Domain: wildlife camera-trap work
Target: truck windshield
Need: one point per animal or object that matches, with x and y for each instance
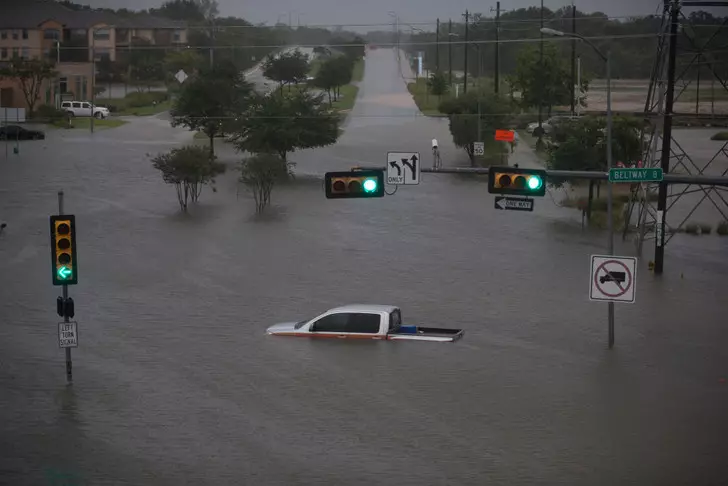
(299, 325)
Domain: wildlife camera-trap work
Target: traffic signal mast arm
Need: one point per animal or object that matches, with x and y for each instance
(583, 175)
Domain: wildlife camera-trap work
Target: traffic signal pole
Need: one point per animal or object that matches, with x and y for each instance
(69, 362)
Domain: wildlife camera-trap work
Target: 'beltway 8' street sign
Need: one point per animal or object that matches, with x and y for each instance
(651, 174)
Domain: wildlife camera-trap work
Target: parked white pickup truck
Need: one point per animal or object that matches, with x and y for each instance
(383, 322)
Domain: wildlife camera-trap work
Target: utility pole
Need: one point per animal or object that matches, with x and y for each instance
(449, 51)
(437, 47)
(666, 137)
(466, 52)
(573, 61)
(497, 47)
(540, 85)
(93, 82)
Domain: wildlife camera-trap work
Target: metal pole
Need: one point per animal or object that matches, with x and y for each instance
(477, 93)
(449, 51)
(465, 80)
(666, 141)
(573, 60)
(93, 77)
(540, 88)
(497, 48)
(578, 80)
(69, 363)
(437, 47)
(610, 216)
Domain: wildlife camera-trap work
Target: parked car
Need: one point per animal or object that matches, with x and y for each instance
(549, 125)
(16, 132)
(84, 108)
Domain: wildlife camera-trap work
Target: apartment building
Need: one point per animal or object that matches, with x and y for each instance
(72, 40)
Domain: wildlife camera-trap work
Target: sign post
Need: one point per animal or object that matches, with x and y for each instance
(613, 279)
(67, 331)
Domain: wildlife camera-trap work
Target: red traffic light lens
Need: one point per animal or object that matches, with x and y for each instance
(504, 180)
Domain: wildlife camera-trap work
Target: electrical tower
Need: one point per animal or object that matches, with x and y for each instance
(650, 203)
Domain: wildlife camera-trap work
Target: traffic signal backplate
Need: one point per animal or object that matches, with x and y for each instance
(354, 184)
(517, 181)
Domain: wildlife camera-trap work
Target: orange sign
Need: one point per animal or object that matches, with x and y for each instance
(505, 135)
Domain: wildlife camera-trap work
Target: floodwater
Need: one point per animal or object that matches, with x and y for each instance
(176, 383)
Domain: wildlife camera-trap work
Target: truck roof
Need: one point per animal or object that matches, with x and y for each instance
(365, 308)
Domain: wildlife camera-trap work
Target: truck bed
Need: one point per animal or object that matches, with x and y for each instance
(436, 334)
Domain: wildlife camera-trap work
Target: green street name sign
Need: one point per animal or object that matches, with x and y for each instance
(651, 174)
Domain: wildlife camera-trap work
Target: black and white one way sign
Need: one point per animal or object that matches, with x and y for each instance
(613, 278)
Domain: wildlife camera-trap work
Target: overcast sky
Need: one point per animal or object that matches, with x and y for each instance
(334, 12)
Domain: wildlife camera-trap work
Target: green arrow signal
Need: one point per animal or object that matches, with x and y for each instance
(64, 273)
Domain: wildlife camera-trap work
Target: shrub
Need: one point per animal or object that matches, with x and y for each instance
(722, 228)
(260, 173)
(705, 228)
(138, 100)
(720, 136)
(49, 114)
(692, 229)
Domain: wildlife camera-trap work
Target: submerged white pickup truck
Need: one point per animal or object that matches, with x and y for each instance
(383, 322)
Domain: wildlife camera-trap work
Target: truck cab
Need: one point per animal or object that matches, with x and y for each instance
(362, 321)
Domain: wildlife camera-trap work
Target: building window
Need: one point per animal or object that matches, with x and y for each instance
(102, 52)
(4, 53)
(16, 52)
(25, 53)
(102, 34)
(177, 36)
(25, 34)
(78, 91)
(52, 34)
(3, 34)
(63, 85)
(15, 35)
(84, 86)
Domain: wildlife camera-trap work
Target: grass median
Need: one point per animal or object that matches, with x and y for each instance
(85, 123)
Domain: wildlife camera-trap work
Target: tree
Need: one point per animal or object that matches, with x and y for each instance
(260, 173)
(210, 100)
(30, 74)
(287, 68)
(463, 115)
(146, 64)
(546, 83)
(187, 10)
(582, 145)
(437, 84)
(280, 124)
(189, 168)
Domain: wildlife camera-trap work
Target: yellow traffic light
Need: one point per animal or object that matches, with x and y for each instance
(63, 250)
(517, 181)
(354, 184)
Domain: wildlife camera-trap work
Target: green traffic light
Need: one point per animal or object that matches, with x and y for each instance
(534, 183)
(64, 273)
(370, 185)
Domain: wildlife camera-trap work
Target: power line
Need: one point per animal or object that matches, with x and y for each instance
(384, 45)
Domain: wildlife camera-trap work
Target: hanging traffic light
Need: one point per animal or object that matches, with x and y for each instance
(354, 184)
(63, 250)
(517, 181)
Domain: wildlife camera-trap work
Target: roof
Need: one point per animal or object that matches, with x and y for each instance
(364, 308)
(28, 14)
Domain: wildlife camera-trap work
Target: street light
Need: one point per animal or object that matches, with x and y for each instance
(610, 221)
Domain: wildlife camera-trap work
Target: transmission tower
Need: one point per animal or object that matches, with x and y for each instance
(650, 203)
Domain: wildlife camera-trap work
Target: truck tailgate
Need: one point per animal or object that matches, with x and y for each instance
(428, 334)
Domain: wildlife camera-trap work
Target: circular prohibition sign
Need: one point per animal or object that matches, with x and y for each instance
(622, 288)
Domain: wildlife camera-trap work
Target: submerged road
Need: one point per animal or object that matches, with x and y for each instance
(176, 382)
